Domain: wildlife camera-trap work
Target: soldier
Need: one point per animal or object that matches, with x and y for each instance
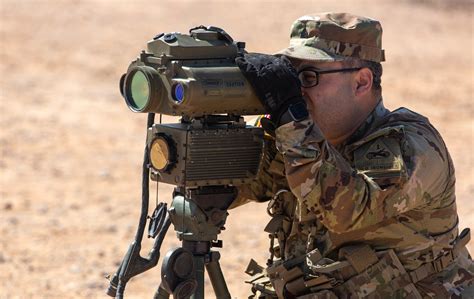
(362, 198)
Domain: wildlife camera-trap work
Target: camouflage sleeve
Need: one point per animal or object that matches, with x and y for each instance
(344, 198)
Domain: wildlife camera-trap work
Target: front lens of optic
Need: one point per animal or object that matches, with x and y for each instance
(178, 92)
(140, 91)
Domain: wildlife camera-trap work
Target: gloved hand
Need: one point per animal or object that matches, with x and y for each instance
(276, 84)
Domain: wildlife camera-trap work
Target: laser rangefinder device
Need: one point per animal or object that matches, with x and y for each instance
(195, 76)
(190, 75)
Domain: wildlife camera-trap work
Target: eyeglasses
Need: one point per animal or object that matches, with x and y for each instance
(309, 77)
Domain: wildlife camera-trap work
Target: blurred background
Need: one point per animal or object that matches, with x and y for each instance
(71, 151)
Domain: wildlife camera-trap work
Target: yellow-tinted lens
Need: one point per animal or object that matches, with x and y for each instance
(159, 154)
(140, 90)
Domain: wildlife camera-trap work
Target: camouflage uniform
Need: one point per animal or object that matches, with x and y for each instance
(389, 186)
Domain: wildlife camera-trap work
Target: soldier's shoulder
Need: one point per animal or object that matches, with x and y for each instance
(411, 122)
(419, 136)
(404, 115)
(389, 153)
(394, 123)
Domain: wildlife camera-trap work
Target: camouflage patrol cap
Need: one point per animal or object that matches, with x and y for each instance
(334, 36)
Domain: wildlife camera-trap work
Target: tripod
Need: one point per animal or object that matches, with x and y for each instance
(198, 216)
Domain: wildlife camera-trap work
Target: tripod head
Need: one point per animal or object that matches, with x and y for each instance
(200, 214)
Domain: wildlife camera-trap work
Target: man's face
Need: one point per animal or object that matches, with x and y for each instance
(332, 102)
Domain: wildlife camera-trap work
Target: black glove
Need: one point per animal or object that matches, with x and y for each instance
(276, 84)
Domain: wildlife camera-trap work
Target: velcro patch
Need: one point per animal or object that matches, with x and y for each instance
(381, 159)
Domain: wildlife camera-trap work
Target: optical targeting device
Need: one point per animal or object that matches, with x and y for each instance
(190, 75)
(205, 155)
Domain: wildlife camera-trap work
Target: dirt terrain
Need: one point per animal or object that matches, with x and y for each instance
(70, 150)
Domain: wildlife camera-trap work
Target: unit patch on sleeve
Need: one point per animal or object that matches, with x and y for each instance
(381, 160)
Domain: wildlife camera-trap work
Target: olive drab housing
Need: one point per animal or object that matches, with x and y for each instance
(190, 75)
(195, 76)
(190, 155)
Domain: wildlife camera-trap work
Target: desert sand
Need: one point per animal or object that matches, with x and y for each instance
(70, 150)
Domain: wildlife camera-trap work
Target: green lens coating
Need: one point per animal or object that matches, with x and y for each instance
(140, 90)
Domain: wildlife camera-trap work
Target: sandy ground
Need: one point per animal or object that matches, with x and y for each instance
(71, 150)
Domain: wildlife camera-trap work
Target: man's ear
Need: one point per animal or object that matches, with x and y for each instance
(364, 79)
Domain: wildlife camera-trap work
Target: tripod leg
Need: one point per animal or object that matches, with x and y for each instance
(199, 271)
(217, 278)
